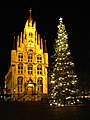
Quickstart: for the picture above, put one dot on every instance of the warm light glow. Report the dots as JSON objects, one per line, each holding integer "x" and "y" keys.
{"x": 27, "y": 69}
{"x": 30, "y": 85}
{"x": 63, "y": 78}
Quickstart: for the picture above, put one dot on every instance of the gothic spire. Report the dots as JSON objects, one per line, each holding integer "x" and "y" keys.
{"x": 45, "y": 47}
{"x": 14, "y": 41}
{"x": 30, "y": 16}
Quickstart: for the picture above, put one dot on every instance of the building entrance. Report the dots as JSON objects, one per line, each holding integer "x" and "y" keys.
{"x": 30, "y": 89}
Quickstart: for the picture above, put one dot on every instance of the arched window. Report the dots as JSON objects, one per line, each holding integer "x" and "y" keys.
{"x": 20, "y": 84}
{"x": 31, "y": 51}
{"x": 30, "y": 69}
{"x": 30, "y": 58}
{"x": 30, "y": 34}
{"x": 40, "y": 84}
{"x": 20, "y": 68}
{"x": 20, "y": 57}
{"x": 39, "y": 59}
{"x": 39, "y": 69}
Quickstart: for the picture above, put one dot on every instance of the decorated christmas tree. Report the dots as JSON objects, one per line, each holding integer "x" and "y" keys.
{"x": 63, "y": 84}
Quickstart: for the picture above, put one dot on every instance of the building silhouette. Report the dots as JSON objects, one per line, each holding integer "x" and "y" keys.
{"x": 26, "y": 78}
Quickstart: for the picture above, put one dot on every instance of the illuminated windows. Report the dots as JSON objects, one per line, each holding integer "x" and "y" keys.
{"x": 30, "y": 58}
{"x": 20, "y": 68}
{"x": 39, "y": 59}
{"x": 20, "y": 83}
{"x": 30, "y": 69}
{"x": 40, "y": 84}
{"x": 20, "y": 57}
{"x": 39, "y": 69}
{"x": 30, "y": 34}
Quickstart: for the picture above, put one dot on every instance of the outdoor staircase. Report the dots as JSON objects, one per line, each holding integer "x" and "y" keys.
{"x": 26, "y": 96}
{"x": 20, "y": 96}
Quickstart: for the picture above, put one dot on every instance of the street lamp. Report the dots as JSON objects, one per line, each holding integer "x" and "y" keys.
{"x": 14, "y": 94}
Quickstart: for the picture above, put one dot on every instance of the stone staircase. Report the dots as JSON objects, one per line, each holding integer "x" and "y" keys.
{"x": 26, "y": 96}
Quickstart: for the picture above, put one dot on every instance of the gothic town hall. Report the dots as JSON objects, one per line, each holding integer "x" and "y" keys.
{"x": 26, "y": 79}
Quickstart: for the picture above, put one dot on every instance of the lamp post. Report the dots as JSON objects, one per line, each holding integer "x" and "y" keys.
{"x": 14, "y": 94}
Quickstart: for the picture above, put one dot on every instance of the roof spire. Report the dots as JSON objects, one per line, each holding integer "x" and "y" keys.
{"x": 45, "y": 46}
{"x": 14, "y": 41}
{"x": 30, "y": 16}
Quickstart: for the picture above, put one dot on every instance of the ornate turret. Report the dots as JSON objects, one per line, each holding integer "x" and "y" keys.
{"x": 45, "y": 53}
{"x": 39, "y": 40}
{"x": 45, "y": 47}
{"x": 17, "y": 41}
{"x": 14, "y": 42}
{"x": 21, "y": 40}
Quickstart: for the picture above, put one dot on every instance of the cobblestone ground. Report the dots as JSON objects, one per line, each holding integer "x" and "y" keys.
{"x": 42, "y": 111}
{"x": 25, "y": 111}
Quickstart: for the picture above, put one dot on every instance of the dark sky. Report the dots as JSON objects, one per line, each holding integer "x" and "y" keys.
{"x": 76, "y": 20}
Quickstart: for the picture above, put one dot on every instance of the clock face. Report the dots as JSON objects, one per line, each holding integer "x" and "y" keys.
{"x": 30, "y": 43}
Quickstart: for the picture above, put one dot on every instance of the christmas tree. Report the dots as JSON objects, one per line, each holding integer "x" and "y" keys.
{"x": 63, "y": 84}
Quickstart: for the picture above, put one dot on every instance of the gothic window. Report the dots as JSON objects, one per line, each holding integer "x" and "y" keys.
{"x": 39, "y": 59}
{"x": 30, "y": 58}
{"x": 20, "y": 84}
{"x": 19, "y": 88}
{"x": 40, "y": 84}
{"x": 30, "y": 34}
{"x": 39, "y": 69}
{"x": 30, "y": 51}
{"x": 30, "y": 69}
{"x": 20, "y": 57}
{"x": 20, "y": 68}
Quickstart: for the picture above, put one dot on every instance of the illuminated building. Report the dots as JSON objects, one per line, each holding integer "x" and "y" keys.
{"x": 26, "y": 78}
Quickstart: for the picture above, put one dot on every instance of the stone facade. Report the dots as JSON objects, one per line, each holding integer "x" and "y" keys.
{"x": 26, "y": 78}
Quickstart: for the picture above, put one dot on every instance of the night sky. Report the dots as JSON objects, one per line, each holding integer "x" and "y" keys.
{"x": 76, "y": 20}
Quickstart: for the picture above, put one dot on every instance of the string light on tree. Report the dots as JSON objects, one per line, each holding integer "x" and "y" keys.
{"x": 63, "y": 80}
